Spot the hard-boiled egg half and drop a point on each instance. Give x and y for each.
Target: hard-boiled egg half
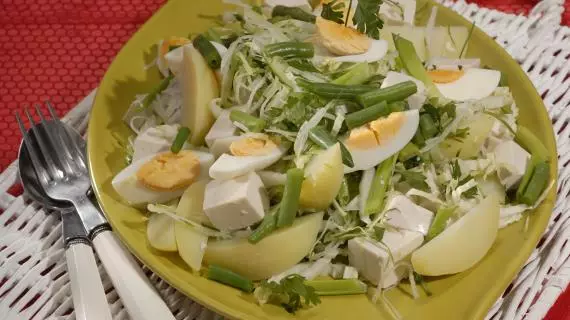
(161, 177)
(469, 84)
(154, 140)
(377, 140)
(346, 44)
(250, 152)
(171, 60)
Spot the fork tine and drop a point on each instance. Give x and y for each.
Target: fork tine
(28, 144)
(63, 159)
(44, 149)
(72, 148)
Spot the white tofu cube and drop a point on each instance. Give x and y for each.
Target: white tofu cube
(223, 127)
(403, 213)
(417, 99)
(512, 161)
(154, 140)
(373, 260)
(350, 273)
(236, 203)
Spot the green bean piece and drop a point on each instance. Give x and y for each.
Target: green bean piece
(358, 118)
(181, 137)
(290, 50)
(337, 287)
(321, 137)
(335, 91)
(149, 99)
(228, 82)
(439, 222)
(293, 12)
(266, 226)
(380, 184)
(427, 126)
(399, 106)
(537, 183)
(358, 74)
(303, 65)
(413, 64)
(531, 164)
(230, 278)
(252, 123)
(410, 150)
(393, 93)
(208, 51)
(290, 201)
(531, 143)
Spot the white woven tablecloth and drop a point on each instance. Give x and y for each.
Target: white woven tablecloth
(32, 255)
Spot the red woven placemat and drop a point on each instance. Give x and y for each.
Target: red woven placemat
(60, 49)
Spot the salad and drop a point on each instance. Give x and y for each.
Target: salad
(302, 149)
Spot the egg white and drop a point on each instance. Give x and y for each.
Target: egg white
(377, 51)
(135, 193)
(475, 84)
(229, 166)
(368, 158)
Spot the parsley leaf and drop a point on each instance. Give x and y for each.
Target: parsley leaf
(291, 293)
(333, 11)
(367, 19)
(415, 179)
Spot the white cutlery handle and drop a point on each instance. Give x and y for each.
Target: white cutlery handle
(87, 290)
(136, 292)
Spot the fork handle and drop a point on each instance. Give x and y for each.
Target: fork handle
(136, 292)
(87, 290)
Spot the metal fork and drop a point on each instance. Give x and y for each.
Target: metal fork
(62, 170)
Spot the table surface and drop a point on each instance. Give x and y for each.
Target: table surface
(58, 50)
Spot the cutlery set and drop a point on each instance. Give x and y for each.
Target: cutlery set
(54, 172)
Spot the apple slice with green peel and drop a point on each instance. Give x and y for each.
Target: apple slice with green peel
(160, 232)
(276, 253)
(323, 177)
(199, 87)
(190, 205)
(191, 245)
(461, 245)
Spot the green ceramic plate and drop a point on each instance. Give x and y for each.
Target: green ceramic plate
(463, 296)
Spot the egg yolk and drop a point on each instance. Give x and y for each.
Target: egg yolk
(253, 146)
(341, 40)
(376, 132)
(445, 76)
(169, 171)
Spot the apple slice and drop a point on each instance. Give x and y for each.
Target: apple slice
(191, 245)
(462, 244)
(199, 87)
(274, 254)
(160, 232)
(323, 177)
(190, 205)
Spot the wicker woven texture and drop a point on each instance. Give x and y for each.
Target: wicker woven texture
(36, 284)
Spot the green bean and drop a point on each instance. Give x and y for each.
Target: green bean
(358, 74)
(303, 65)
(537, 183)
(228, 82)
(290, 50)
(229, 278)
(337, 287)
(427, 126)
(399, 106)
(149, 99)
(439, 222)
(321, 137)
(358, 118)
(531, 143)
(380, 184)
(290, 201)
(293, 12)
(335, 91)
(409, 58)
(252, 123)
(531, 164)
(410, 150)
(208, 51)
(266, 226)
(393, 93)
(181, 137)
